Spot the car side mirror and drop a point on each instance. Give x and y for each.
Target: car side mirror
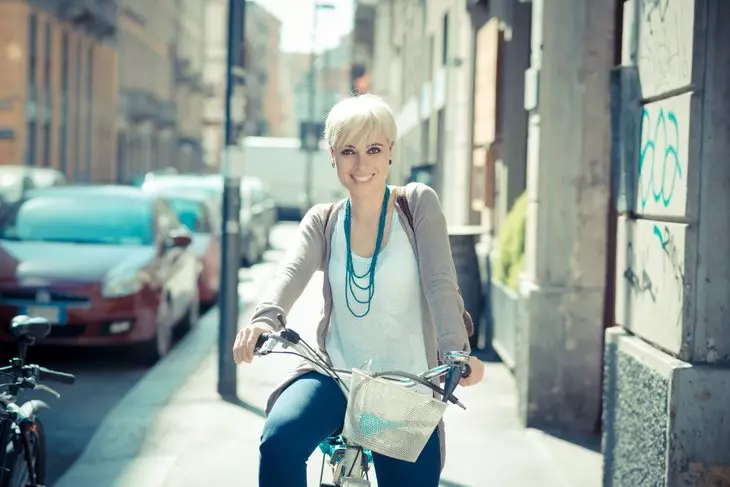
(179, 238)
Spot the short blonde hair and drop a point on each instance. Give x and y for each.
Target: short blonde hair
(359, 118)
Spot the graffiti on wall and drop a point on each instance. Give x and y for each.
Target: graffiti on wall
(660, 160)
(654, 280)
(665, 44)
(659, 164)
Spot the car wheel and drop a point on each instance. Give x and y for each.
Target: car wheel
(191, 318)
(160, 344)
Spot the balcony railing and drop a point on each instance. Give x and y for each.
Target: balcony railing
(167, 114)
(97, 17)
(182, 71)
(138, 106)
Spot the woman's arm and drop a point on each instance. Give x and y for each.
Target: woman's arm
(437, 270)
(301, 260)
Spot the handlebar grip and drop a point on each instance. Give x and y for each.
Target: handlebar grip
(52, 375)
(261, 340)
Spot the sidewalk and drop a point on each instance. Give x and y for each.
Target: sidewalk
(197, 439)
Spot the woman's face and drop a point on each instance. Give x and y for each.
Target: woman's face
(363, 166)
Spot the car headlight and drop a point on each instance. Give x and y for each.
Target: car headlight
(116, 286)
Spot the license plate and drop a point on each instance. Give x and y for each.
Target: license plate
(51, 313)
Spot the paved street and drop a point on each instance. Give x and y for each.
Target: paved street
(105, 376)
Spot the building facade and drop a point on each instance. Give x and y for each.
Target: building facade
(161, 90)
(214, 74)
(257, 107)
(294, 69)
(58, 91)
(331, 71)
(421, 67)
(263, 106)
(611, 118)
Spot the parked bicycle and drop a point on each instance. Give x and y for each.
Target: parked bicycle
(384, 414)
(22, 440)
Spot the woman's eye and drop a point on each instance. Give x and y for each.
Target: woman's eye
(374, 150)
(347, 152)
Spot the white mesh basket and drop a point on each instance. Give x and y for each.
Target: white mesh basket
(388, 418)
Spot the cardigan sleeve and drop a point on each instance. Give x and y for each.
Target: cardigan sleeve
(437, 270)
(303, 258)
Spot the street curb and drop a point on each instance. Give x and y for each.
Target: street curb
(119, 437)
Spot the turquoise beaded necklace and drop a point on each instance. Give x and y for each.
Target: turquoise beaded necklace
(351, 276)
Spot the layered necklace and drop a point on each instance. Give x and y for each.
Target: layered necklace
(352, 278)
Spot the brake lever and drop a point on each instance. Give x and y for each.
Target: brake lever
(47, 389)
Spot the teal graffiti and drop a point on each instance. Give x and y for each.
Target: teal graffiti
(667, 161)
(659, 235)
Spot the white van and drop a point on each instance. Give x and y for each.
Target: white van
(281, 164)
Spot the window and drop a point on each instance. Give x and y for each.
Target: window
(431, 55)
(89, 110)
(63, 122)
(77, 101)
(445, 41)
(32, 128)
(47, 102)
(193, 214)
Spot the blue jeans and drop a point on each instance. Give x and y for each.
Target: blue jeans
(305, 414)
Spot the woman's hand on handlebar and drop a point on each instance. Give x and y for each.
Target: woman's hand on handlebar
(476, 373)
(245, 344)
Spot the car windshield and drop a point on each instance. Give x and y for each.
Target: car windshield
(190, 213)
(80, 219)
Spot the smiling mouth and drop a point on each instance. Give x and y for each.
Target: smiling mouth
(363, 179)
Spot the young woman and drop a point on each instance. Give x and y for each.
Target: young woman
(390, 296)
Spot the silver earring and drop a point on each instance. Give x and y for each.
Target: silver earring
(333, 164)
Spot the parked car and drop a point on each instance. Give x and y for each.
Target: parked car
(47, 177)
(107, 265)
(258, 209)
(15, 180)
(258, 217)
(196, 211)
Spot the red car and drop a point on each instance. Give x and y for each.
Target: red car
(197, 211)
(107, 265)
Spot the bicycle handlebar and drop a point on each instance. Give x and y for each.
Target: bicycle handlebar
(39, 373)
(56, 376)
(455, 368)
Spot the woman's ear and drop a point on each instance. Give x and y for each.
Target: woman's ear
(332, 153)
(390, 151)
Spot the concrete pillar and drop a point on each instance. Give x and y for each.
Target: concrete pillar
(560, 336)
(667, 387)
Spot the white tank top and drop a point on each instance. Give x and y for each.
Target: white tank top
(391, 334)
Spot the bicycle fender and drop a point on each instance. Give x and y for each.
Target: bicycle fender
(30, 408)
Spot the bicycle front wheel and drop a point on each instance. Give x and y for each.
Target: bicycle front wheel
(18, 475)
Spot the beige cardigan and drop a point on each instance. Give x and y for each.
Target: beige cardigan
(441, 302)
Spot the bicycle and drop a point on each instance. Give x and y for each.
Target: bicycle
(371, 426)
(22, 439)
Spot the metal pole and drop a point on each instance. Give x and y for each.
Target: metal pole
(310, 117)
(231, 232)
